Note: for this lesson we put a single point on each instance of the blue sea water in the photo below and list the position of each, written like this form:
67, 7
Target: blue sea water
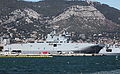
60, 65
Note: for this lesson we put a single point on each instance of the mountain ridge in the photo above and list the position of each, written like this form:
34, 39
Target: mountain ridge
38, 19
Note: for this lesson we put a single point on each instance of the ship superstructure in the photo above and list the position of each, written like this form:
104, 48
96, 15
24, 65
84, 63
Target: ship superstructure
54, 43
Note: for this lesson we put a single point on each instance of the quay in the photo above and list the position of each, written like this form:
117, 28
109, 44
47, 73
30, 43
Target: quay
80, 54
46, 55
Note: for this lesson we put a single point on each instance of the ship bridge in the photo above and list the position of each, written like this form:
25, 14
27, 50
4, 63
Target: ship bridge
61, 38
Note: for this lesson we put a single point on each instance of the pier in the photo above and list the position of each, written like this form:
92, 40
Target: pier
47, 55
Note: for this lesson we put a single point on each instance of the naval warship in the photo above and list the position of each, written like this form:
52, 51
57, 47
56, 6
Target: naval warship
53, 44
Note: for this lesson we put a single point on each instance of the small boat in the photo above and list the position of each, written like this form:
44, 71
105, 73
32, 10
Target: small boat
111, 49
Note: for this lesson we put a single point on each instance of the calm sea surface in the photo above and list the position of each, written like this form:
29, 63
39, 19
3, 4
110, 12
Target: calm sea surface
60, 65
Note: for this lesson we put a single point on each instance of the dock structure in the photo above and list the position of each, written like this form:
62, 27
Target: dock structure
77, 54
46, 55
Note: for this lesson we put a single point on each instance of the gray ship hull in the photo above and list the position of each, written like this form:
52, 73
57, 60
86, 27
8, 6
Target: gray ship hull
38, 48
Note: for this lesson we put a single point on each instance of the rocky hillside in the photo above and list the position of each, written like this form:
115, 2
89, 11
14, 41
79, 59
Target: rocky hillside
20, 19
83, 19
